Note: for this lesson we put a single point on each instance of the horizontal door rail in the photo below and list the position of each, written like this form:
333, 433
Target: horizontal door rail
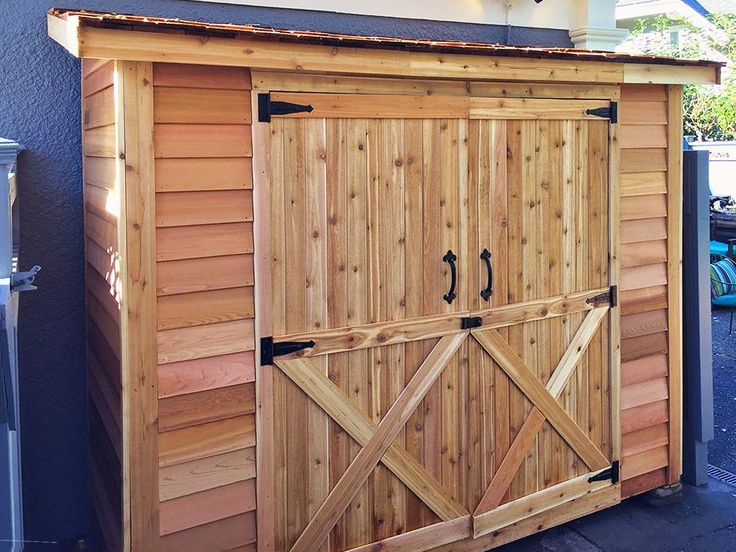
376, 106
375, 335
424, 538
534, 108
536, 503
353, 338
538, 309
423, 106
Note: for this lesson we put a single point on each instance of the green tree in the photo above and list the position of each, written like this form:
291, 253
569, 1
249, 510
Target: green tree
710, 111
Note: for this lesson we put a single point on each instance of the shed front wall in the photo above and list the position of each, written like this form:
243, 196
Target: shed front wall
207, 333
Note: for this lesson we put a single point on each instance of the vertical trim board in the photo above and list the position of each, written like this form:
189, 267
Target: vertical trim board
140, 381
674, 278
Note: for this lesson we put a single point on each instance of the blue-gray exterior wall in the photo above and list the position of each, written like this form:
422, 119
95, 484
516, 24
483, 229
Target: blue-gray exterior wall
39, 107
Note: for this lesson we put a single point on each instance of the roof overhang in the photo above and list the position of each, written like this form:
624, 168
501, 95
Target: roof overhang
136, 38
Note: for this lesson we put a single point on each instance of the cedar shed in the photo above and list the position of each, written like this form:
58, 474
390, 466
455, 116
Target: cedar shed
361, 293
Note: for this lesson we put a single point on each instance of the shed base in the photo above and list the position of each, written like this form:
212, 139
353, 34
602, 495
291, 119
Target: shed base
664, 496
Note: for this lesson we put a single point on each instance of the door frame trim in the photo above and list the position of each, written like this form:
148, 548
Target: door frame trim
265, 480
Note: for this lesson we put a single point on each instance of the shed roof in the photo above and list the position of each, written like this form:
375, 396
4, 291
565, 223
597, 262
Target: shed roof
147, 23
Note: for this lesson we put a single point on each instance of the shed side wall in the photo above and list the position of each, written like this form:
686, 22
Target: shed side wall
645, 331
204, 275
102, 192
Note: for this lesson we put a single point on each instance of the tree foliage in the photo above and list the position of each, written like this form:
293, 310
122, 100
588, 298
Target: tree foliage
710, 111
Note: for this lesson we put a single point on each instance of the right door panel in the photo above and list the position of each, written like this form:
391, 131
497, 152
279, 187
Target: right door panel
541, 221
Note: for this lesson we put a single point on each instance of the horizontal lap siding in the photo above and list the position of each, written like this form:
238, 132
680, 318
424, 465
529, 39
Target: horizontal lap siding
205, 307
102, 282
644, 277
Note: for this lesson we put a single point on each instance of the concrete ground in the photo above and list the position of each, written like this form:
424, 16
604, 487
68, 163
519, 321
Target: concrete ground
722, 450
705, 521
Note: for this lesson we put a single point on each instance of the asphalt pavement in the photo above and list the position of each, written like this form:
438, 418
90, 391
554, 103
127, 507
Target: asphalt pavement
722, 450
705, 521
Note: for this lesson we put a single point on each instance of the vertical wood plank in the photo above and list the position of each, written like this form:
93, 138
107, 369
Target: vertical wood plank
275, 276
531, 248
582, 258
435, 279
338, 300
359, 512
569, 263
462, 229
138, 320
316, 267
478, 382
597, 275
554, 464
414, 272
265, 513
544, 182
496, 410
297, 414
449, 380
516, 290
674, 277
614, 275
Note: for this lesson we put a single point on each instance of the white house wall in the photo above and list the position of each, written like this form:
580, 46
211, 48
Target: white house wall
550, 14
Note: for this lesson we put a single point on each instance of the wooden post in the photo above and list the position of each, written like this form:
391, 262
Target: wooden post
138, 310
674, 277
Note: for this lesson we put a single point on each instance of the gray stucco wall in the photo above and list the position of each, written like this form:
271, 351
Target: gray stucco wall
39, 107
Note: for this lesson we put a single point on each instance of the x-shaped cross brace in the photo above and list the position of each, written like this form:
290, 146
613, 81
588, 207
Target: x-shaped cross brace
545, 404
375, 440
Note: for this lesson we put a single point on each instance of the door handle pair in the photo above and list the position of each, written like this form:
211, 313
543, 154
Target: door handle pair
450, 258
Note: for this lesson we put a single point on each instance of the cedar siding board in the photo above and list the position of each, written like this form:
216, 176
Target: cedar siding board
205, 300
102, 270
173, 463
644, 281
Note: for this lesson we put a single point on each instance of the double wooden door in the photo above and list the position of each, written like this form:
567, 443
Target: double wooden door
439, 308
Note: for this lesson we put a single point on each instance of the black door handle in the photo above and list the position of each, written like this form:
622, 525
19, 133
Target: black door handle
450, 258
486, 293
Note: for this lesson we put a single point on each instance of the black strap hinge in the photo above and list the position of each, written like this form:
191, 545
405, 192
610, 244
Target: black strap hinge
610, 112
269, 349
611, 473
609, 297
471, 322
268, 108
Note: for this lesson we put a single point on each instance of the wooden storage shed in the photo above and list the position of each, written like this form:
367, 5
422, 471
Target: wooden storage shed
358, 293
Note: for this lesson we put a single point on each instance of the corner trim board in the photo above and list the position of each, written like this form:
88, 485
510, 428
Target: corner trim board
138, 311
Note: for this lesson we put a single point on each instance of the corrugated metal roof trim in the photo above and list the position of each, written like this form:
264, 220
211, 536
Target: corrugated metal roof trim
138, 22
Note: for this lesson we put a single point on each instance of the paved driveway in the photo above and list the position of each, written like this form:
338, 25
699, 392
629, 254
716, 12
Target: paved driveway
704, 522
722, 450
